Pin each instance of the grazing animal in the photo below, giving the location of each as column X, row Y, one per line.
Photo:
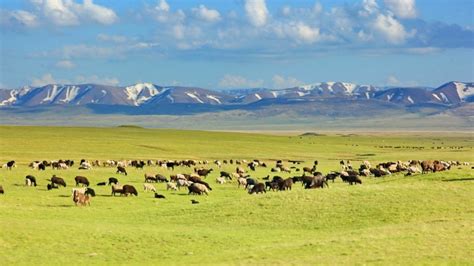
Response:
column 150, row 178
column 286, row 184
column 171, row 186
column 81, row 199
column 102, row 184
column 10, row 164
column 242, row 181
column 161, row 178
column 41, row 167
column 121, row 170
column 129, row 189
column 81, row 180
column 196, row 179
column 258, row 188
column 332, row 176
column 90, row 192
column 226, row 175
column 196, row 188
column 116, row 189
column 31, row 179
column 194, row 202
column 183, row 183
column 220, row 180
column 250, row 182
column 55, row 180
column 158, row 196
column 203, row 172
column 51, row 186
column 113, row 180
column 353, row 179
column 149, row 187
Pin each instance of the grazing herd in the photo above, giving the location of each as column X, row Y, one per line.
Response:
column 310, row 177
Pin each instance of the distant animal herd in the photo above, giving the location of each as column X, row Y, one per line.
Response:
column 309, row 177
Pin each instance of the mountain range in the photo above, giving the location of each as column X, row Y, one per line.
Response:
column 149, row 98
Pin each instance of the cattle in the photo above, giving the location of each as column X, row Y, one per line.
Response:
column 31, row 180
column 129, row 190
column 81, row 199
column 11, row 164
column 55, row 180
column 220, row 180
column 171, row 186
column 113, row 180
column 158, row 196
column 286, row 184
column 81, row 180
column 2, row 191
column 199, row 189
column 121, row 170
column 258, row 188
column 116, row 189
column 149, row 187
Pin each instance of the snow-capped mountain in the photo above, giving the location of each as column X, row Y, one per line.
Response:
column 151, row 95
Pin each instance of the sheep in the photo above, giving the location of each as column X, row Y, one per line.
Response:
column 116, row 189
column 183, row 183
column 197, row 188
column 149, row 187
column 171, row 186
column 220, row 180
column 241, row 181
column 79, row 190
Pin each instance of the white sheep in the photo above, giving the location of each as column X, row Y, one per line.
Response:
column 171, row 186
column 149, row 187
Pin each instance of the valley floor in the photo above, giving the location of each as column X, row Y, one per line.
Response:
column 420, row 219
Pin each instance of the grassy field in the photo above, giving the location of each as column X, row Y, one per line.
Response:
column 422, row 219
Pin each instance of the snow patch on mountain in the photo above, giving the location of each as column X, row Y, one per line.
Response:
column 71, row 94
column 192, row 95
column 214, row 98
column 464, row 90
column 51, row 94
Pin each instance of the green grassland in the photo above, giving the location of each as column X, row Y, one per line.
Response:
column 421, row 219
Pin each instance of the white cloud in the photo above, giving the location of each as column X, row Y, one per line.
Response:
column 392, row 81
column 280, row 82
column 392, row 30
column 162, row 6
column 235, row 81
column 70, row 13
column 402, row 8
column 206, row 14
column 18, row 18
column 67, row 64
column 298, row 31
column 45, row 80
column 257, row 12
column 369, row 7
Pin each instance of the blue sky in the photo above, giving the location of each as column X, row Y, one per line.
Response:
column 236, row 43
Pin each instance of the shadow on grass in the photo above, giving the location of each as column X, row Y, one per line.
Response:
column 458, row 179
column 61, row 206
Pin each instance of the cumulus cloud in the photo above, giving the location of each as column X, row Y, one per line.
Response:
column 66, row 64
column 392, row 81
column 369, row 7
column 70, row 13
column 391, row 29
column 402, row 8
column 281, row 82
column 162, row 6
column 44, row 80
column 235, row 81
column 257, row 12
column 206, row 14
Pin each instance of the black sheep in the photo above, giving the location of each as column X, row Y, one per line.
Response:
column 113, row 180
column 32, row 179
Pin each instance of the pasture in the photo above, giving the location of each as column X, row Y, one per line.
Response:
column 420, row 219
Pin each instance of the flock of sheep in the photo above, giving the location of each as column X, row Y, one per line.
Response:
column 196, row 184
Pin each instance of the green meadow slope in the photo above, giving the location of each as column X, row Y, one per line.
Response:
column 421, row 219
